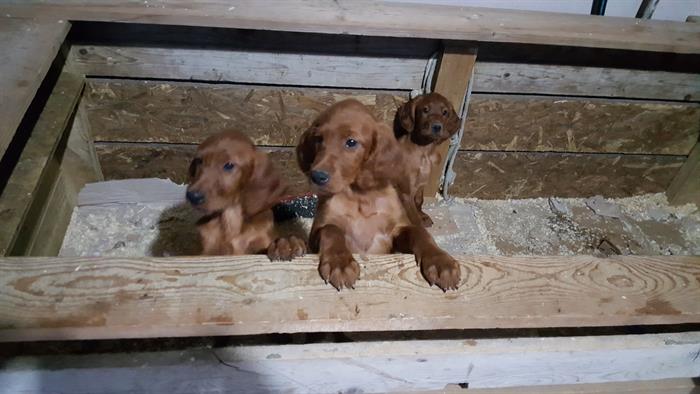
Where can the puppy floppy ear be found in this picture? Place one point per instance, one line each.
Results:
(453, 121)
(405, 118)
(264, 187)
(379, 166)
(306, 149)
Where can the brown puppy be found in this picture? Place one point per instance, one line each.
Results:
(235, 186)
(352, 161)
(421, 125)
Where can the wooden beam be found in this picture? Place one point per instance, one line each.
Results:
(685, 187)
(22, 200)
(90, 298)
(454, 73)
(662, 386)
(25, 64)
(375, 366)
(585, 81)
(366, 17)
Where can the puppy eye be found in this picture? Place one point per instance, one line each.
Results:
(444, 112)
(351, 143)
(228, 167)
(426, 109)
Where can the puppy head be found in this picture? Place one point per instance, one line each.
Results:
(228, 170)
(342, 148)
(428, 118)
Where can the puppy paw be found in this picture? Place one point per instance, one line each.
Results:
(286, 248)
(426, 221)
(441, 269)
(339, 269)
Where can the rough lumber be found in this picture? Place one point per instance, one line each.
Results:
(25, 62)
(32, 178)
(366, 17)
(452, 80)
(246, 66)
(185, 112)
(361, 367)
(89, 298)
(565, 124)
(662, 386)
(505, 175)
(585, 81)
(685, 187)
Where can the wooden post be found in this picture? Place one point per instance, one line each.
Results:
(685, 187)
(452, 81)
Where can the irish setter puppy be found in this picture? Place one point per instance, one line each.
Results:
(421, 125)
(236, 186)
(352, 161)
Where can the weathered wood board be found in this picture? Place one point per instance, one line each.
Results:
(24, 65)
(184, 112)
(128, 161)
(71, 298)
(392, 19)
(499, 175)
(585, 81)
(21, 202)
(227, 65)
(564, 124)
(486, 365)
(685, 187)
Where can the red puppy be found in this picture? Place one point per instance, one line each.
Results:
(235, 186)
(353, 161)
(421, 125)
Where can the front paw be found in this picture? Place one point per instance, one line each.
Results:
(339, 268)
(425, 220)
(441, 269)
(285, 249)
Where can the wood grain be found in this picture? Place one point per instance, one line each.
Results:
(366, 17)
(486, 365)
(585, 81)
(25, 64)
(32, 178)
(494, 175)
(55, 298)
(565, 124)
(685, 187)
(242, 66)
(129, 161)
(185, 112)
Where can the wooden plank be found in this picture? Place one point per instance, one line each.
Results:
(128, 161)
(388, 19)
(663, 386)
(564, 124)
(244, 66)
(505, 175)
(91, 298)
(25, 63)
(585, 81)
(356, 367)
(53, 220)
(37, 168)
(185, 112)
(452, 78)
(685, 187)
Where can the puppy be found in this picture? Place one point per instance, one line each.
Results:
(421, 125)
(236, 186)
(353, 161)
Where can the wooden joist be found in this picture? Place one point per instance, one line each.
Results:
(88, 298)
(28, 47)
(685, 187)
(378, 366)
(388, 19)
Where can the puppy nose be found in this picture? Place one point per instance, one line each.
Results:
(320, 177)
(195, 197)
(436, 127)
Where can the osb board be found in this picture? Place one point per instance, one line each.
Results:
(182, 112)
(128, 161)
(497, 175)
(538, 123)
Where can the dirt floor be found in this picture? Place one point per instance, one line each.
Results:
(151, 219)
